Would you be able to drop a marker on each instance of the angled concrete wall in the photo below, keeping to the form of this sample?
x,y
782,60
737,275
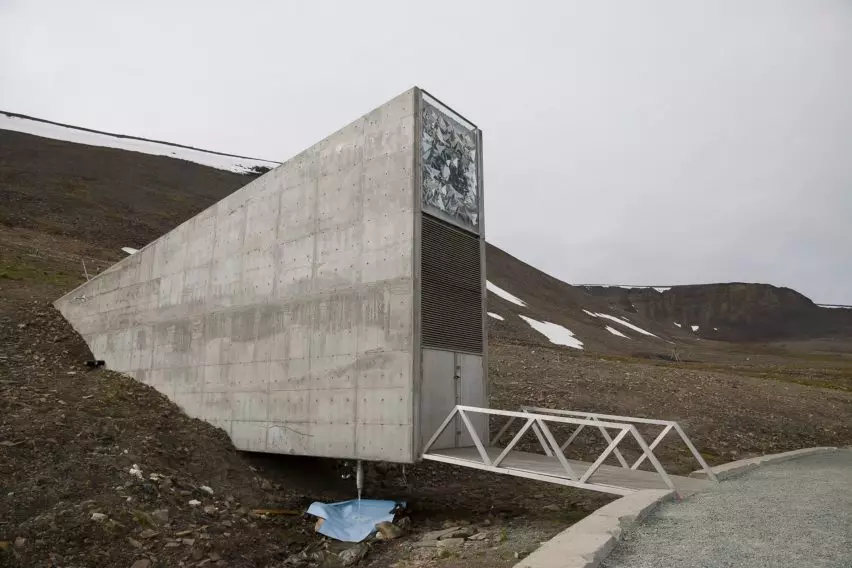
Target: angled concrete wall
x,y
284,313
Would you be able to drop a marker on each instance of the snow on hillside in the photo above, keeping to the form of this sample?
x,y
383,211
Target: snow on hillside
x,y
614,331
56,131
557,334
659,289
505,295
620,321
496,316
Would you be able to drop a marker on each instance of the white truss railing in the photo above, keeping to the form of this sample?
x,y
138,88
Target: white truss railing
x,y
538,423
668,426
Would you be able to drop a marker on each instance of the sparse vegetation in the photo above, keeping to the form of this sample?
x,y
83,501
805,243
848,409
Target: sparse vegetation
x,y
33,272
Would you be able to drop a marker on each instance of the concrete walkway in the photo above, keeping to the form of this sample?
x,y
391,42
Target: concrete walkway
x,y
795,513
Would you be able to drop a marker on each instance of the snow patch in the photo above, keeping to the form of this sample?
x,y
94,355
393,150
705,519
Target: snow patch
x,y
620,321
129,250
834,307
677,324
504,294
694,327
659,289
614,331
715,329
54,131
556,333
496,316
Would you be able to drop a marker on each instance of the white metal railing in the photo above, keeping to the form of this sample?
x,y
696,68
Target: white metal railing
x,y
668,426
538,423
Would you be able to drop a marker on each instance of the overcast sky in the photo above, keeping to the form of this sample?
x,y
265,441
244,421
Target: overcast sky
x,y
655,142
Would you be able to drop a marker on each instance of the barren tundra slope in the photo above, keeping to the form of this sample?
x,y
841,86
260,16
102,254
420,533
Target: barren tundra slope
x,y
72,438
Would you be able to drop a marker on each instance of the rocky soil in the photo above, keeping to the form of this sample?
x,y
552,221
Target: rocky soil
x,y
97,470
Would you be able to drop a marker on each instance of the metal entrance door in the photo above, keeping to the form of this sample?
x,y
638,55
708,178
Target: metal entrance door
x,y
450,379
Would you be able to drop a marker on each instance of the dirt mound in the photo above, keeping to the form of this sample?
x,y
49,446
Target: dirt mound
x,y
97,469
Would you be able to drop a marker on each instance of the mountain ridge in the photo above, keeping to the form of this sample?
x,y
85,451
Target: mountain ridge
x,y
59,188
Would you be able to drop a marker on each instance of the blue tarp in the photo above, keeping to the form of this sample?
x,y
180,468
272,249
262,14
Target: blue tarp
x,y
352,521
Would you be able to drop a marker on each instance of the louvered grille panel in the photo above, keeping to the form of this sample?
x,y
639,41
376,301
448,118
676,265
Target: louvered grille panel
x,y
451,293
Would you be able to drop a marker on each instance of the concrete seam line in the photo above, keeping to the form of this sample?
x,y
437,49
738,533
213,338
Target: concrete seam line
x,y
587,542
739,467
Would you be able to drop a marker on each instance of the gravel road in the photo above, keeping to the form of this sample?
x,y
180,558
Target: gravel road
x,y
795,513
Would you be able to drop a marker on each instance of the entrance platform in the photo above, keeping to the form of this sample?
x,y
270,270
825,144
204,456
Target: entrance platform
x,y
554,467
621,481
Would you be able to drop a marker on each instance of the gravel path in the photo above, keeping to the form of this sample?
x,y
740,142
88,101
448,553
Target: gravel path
x,y
795,513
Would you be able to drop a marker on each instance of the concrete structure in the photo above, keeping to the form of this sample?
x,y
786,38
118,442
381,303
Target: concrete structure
x,y
292,313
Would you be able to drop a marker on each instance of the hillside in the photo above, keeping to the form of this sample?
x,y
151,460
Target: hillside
x,y
733,311
103,198
777,376
659,319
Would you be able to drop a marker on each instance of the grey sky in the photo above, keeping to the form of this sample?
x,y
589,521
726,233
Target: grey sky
x,y
656,142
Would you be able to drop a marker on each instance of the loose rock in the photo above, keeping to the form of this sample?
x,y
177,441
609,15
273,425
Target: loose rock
x,y
462,532
436,535
352,556
404,523
388,531
450,544
160,516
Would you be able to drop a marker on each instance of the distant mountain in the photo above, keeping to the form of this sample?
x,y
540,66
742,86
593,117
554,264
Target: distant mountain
x,y
734,311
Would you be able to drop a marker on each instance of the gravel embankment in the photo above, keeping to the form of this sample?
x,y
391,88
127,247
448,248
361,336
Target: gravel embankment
x,y
796,513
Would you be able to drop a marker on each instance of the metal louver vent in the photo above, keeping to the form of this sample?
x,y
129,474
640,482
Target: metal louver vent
x,y
451,287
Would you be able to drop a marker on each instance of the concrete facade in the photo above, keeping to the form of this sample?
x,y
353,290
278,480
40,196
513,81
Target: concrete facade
x,y
283,314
